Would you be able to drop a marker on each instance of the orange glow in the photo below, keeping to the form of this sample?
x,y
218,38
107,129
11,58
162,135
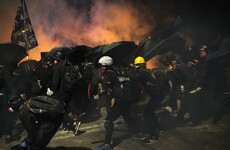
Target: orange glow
x,y
57,24
154,63
108,24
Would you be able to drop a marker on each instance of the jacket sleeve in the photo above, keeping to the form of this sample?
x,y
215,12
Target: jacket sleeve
x,y
57,73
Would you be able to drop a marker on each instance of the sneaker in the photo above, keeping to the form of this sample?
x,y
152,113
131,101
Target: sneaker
x,y
64,130
149,140
103,147
22,146
77,127
159,132
139,136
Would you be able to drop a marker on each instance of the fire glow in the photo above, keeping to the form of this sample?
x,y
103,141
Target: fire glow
x,y
56,23
105,23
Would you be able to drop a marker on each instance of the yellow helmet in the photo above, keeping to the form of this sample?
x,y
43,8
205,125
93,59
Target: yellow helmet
x,y
139,60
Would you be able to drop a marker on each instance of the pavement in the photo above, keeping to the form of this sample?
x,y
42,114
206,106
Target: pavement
x,y
207,136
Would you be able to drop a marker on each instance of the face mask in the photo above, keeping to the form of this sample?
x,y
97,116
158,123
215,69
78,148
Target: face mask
x,y
55,62
203,54
103,69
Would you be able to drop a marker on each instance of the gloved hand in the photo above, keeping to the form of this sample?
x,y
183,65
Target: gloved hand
x,y
113,100
16,101
49,92
96,97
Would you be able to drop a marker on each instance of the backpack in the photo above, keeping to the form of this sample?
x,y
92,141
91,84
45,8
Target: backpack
x,y
45,106
71,76
129,83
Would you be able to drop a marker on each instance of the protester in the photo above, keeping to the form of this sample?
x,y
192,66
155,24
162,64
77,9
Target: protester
x,y
157,87
41,128
120,105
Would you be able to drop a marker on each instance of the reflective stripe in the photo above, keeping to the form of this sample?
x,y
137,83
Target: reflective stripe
x,y
196,90
122,79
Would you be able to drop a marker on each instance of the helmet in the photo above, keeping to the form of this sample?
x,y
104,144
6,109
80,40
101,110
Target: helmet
x,y
105,61
139,60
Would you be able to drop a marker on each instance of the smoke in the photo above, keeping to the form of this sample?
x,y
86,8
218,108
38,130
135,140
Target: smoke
x,y
89,22
58,23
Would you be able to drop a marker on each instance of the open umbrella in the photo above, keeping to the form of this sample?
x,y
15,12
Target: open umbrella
x,y
11,54
26,67
77,54
63,49
160,44
122,52
94,54
223,50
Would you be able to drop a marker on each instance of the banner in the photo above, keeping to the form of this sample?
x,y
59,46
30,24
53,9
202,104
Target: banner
x,y
23,33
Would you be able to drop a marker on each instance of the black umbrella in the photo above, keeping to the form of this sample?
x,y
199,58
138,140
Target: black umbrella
x,y
160,44
11,54
223,50
122,52
63,49
94,54
77,54
26,67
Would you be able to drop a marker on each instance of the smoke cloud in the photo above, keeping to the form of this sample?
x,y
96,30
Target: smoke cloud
x,y
86,22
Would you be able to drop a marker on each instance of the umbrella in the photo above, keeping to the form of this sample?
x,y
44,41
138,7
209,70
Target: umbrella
x,y
122,52
77,54
11,54
94,54
27,67
63,49
223,50
160,44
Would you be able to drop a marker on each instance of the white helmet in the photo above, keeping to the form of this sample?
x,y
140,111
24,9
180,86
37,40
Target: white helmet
x,y
105,61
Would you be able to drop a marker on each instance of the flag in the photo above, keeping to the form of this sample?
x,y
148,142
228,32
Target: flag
x,y
23,33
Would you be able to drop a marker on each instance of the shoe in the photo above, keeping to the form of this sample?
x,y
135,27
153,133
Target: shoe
x,y
149,140
77,127
103,147
64,130
23,146
159,132
139,136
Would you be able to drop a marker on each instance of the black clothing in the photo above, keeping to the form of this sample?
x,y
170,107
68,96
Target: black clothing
x,y
40,128
115,89
195,93
157,88
121,108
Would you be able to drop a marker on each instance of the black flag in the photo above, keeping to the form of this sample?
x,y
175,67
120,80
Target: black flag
x,y
23,33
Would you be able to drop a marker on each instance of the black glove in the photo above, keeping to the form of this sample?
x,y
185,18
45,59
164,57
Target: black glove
x,y
16,102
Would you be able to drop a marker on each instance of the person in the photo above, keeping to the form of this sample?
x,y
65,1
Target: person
x,y
12,100
41,128
156,87
194,100
119,103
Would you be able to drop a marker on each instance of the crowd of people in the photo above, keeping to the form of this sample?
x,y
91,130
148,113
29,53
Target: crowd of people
x,y
44,99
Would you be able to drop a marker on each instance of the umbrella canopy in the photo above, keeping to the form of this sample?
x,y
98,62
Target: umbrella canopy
x,y
223,50
77,54
11,54
63,49
122,52
27,67
160,44
94,54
